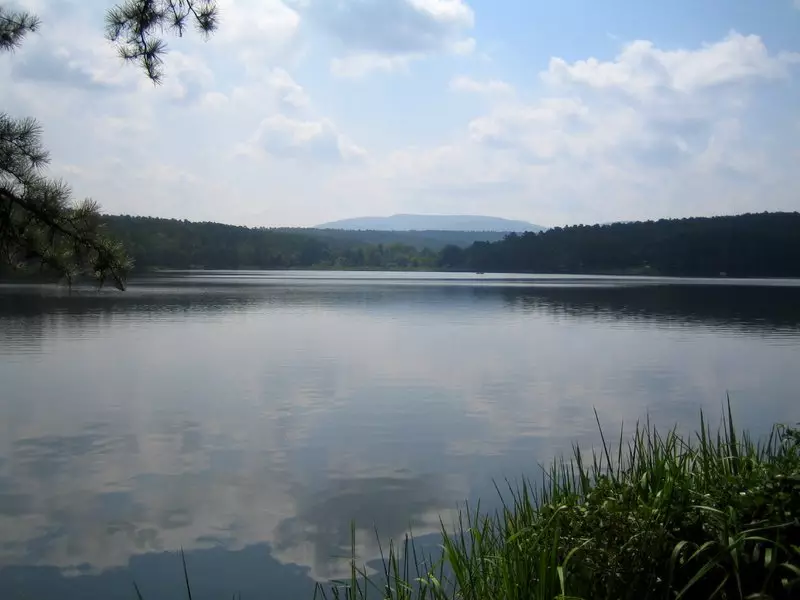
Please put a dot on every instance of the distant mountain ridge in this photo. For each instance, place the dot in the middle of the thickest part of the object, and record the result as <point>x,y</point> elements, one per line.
<point>408,222</point>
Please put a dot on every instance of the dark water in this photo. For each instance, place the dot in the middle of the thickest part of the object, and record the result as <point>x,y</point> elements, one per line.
<point>249,417</point>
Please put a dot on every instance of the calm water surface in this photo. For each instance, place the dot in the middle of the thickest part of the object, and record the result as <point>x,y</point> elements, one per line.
<point>248,417</point>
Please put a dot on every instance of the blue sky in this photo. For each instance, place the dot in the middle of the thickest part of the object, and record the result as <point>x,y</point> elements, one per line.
<point>304,111</point>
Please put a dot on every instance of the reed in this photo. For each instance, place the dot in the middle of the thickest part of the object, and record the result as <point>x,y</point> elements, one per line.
<point>655,515</point>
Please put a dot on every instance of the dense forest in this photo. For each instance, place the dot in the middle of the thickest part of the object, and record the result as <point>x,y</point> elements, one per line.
<point>434,239</point>
<point>169,243</point>
<point>764,245</point>
<point>751,245</point>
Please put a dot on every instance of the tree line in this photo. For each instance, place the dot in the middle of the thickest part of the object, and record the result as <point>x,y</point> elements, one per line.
<point>750,245</point>
<point>434,239</point>
<point>176,244</point>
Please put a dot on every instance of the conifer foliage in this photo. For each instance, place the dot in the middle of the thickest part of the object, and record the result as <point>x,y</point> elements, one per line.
<point>41,225</point>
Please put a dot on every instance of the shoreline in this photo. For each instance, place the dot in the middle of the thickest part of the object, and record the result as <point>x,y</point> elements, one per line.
<point>661,516</point>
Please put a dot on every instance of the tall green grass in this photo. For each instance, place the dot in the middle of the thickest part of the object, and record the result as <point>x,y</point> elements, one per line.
<point>656,516</point>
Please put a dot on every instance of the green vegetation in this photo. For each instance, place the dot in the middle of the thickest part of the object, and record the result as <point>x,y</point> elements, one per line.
<point>433,239</point>
<point>659,517</point>
<point>752,245</point>
<point>168,243</point>
<point>40,223</point>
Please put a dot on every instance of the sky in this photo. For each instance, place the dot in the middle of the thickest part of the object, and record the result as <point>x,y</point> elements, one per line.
<point>298,112</point>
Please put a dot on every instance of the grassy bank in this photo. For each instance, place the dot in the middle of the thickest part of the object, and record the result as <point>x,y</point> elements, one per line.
<point>660,516</point>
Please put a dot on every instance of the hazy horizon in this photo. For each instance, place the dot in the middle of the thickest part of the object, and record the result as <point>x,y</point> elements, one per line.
<point>321,225</point>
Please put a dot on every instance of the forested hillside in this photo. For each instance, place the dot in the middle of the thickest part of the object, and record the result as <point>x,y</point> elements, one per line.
<point>765,244</point>
<point>169,243</point>
<point>434,239</point>
<point>752,245</point>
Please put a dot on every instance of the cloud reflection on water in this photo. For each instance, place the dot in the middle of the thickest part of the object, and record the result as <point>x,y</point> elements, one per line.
<point>224,417</point>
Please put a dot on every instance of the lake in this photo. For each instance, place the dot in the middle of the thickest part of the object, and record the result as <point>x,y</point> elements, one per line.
<point>250,417</point>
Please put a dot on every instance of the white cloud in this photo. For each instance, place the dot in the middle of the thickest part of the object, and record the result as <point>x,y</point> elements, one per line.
<point>175,150</point>
<point>642,70</point>
<point>290,94</point>
<point>650,104</point>
<point>463,47</point>
<point>387,34</point>
<point>285,138</point>
<point>491,86</point>
<point>358,65</point>
<point>652,133</point>
<point>271,90</point>
<point>539,131</point>
<point>288,126</point>
<point>189,77</point>
<point>446,11</point>
<point>67,53</point>
<point>257,31</point>
<point>72,56</point>
<point>392,26</point>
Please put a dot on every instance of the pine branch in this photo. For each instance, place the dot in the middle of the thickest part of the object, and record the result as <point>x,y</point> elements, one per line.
<point>76,229</point>
<point>38,221</point>
<point>22,154</point>
<point>137,28</point>
<point>14,26</point>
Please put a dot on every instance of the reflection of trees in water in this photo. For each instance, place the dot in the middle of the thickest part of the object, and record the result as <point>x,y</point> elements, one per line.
<point>771,306</point>
<point>747,309</point>
<point>28,312</point>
